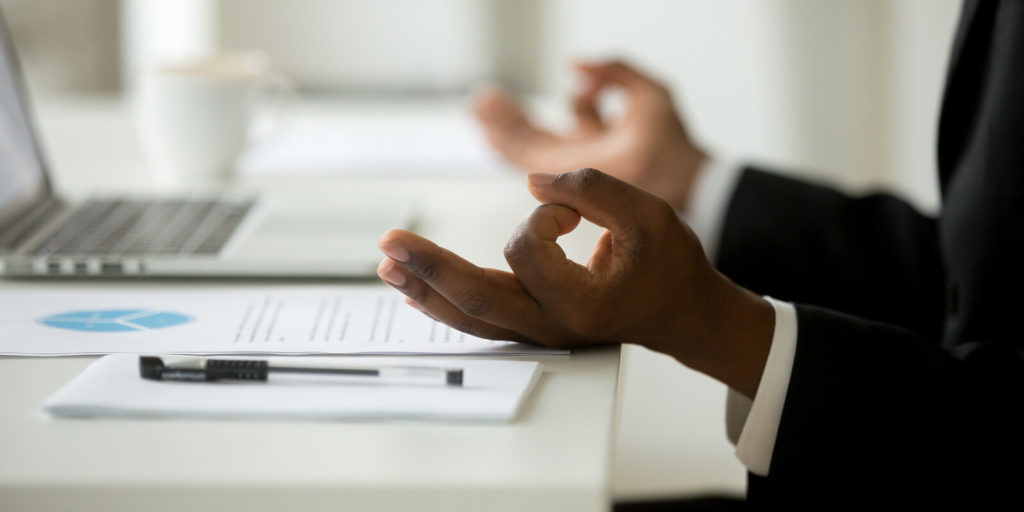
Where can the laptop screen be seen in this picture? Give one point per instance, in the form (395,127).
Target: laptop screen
(22,173)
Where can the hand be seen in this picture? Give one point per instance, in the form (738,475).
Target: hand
(648,147)
(648,282)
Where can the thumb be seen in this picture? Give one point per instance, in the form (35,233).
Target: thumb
(602,199)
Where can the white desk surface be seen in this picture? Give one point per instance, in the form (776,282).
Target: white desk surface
(558,455)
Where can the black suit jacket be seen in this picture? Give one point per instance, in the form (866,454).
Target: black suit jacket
(907,379)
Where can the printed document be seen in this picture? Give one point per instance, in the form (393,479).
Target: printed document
(235,320)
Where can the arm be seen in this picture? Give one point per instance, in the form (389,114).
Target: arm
(872,256)
(838,251)
(873,406)
(870,403)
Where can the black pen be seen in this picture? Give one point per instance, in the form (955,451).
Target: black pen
(212,370)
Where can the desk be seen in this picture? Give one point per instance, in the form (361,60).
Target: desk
(558,455)
(554,457)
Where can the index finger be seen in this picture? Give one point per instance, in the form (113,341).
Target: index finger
(614,72)
(538,261)
(489,295)
(603,74)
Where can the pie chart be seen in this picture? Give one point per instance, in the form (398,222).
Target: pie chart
(115,320)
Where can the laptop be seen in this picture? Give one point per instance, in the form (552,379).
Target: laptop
(198,236)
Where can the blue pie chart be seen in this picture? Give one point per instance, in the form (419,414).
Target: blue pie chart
(115,320)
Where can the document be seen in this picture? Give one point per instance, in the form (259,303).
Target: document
(492,391)
(235,320)
(431,145)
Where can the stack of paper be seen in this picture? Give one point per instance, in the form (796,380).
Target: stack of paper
(492,391)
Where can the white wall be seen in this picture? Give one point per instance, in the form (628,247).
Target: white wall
(843,90)
(847,90)
(921,34)
(382,45)
(66,45)
(155,32)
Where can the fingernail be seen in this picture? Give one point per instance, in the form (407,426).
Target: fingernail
(538,179)
(396,251)
(389,272)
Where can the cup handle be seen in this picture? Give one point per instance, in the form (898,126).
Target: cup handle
(271,115)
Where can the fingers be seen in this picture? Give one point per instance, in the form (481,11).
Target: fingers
(612,72)
(511,132)
(646,94)
(437,307)
(536,258)
(602,74)
(437,278)
(492,105)
(600,198)
(601,260)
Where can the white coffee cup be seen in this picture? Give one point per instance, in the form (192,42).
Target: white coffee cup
(196,116)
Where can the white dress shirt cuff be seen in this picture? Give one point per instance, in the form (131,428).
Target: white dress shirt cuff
(757,437)
(750,424)
(712,191)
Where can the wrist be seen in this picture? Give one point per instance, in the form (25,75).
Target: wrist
(691,162)
(736,333)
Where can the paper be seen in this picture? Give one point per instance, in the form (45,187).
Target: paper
(239,320)
(492,391)
(376,145)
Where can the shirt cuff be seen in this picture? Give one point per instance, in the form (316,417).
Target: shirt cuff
(713,187)
(757,438)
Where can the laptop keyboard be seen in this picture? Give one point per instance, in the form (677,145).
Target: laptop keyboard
(134,228)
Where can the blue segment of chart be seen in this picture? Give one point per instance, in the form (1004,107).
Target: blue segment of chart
(115,320)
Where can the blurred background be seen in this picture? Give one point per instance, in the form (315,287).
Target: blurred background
(842,90)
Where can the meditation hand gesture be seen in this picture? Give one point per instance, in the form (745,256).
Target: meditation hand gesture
(648,282)
(647,147)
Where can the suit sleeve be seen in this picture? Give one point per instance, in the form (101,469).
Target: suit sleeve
(876,410)
(875,405)
(873,256)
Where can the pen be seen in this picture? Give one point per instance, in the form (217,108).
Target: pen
(211,370)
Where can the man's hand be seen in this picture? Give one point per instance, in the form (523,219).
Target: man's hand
(648,282)
(648,147)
